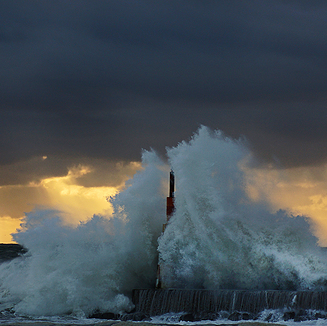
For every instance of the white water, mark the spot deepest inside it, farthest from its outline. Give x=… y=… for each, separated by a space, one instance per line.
x=217 y=238
x=96 y=265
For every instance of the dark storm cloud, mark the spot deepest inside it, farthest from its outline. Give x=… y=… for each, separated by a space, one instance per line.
x=104 y=79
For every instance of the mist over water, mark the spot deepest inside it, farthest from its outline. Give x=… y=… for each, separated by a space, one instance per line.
x=216 y=239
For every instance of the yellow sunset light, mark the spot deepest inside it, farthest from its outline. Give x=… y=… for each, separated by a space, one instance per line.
x=300 y=191
x=8 y=226
x=77 y=203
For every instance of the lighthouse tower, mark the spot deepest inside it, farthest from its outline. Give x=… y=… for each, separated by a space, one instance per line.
x=170 y=200
x=169 y=212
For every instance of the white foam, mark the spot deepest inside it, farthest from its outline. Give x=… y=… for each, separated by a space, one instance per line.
x=218 y=238
x=93 y=266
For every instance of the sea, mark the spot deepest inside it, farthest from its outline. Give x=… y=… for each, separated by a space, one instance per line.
x=217 y=239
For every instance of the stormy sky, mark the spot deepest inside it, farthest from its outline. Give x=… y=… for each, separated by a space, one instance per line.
x=104 y=79
x=95 y=82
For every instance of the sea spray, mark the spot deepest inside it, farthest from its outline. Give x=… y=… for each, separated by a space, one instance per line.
x=94 y=266
x=217 y=239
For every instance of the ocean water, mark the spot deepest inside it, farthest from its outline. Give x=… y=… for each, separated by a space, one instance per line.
x=217 y=239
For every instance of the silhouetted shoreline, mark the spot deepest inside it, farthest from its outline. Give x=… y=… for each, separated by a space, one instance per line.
x=10 y=251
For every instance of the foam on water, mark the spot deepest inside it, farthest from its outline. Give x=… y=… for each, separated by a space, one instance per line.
x=216 y=239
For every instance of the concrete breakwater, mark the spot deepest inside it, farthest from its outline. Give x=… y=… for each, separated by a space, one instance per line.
x=203 y=303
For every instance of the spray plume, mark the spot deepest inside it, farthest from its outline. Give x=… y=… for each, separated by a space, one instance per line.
x=216 y=238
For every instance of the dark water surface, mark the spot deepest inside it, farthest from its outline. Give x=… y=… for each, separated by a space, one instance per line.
x=109 y=323
x=10 y=251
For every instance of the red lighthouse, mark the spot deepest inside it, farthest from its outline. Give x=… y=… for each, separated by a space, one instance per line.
x=169 y=212
x=170 y=200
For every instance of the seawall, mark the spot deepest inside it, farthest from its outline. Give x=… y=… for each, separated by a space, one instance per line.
x=157 y=302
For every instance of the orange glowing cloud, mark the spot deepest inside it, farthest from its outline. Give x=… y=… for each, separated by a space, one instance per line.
x=300 y=191
x=8 y=226
x=76 y=202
